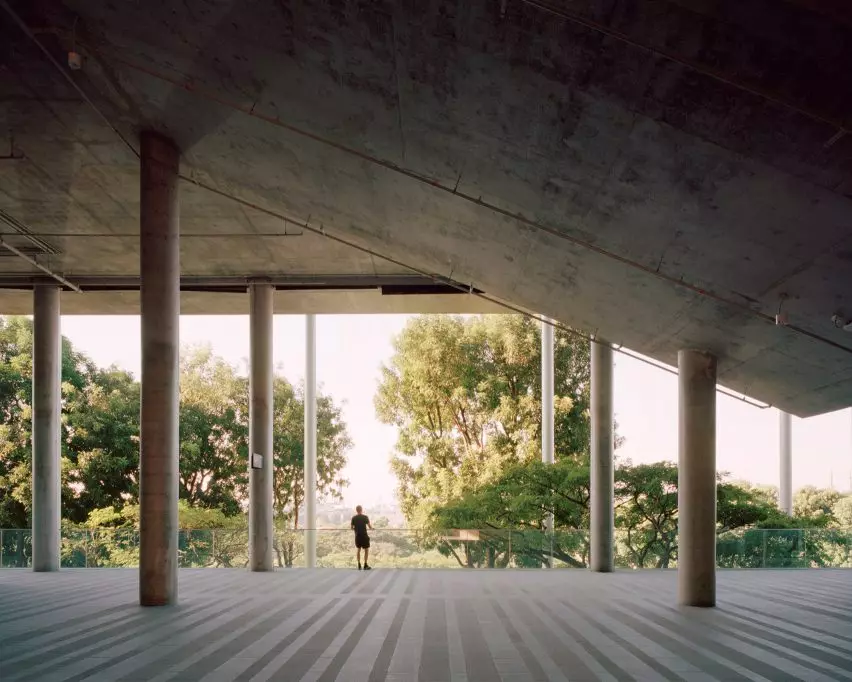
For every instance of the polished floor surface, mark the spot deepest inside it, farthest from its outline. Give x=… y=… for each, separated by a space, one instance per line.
x=425 y=626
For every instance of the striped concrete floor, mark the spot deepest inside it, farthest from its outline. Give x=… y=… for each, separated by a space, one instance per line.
x=425 y=626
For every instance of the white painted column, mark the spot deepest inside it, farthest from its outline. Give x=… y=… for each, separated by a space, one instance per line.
x=159 y=416
x=785 y=489
x=547 y=390
x=260 y=429
x=696 y=555
x=601 y=470
x=46 y=428
x=310 y=441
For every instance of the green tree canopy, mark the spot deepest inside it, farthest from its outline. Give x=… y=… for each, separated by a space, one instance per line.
x=100 y=436
x=465 y=395
x=816 y=504
x=646 y=515
x=842 y=511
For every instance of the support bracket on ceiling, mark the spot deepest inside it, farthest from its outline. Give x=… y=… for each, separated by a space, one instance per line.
x=32 y=261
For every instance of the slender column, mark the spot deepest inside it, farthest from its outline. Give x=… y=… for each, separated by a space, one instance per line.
x=47 y=400
x=696 y=557
x=310 y=441
x=160 y=299
x=785 y=490
x=546 y=392
x=260 y=430
x=547 y=412
x=601 y=464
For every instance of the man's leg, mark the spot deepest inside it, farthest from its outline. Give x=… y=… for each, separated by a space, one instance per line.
x=366 y=556
x=358 y=551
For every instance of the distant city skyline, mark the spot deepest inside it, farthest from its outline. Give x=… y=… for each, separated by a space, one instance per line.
x=351 y=349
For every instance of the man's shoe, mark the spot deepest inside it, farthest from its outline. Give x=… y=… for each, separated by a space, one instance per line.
x=359 y=565
x=368 y=568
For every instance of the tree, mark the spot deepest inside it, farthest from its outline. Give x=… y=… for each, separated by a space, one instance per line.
x=518 y=501
x=102 y=423
x=646 y=513
x=465 y=395
x=16 y=352
x=333 y=442
x=100 y=437
x=842 y=511
x=506 y=511
x=816 y=504
x=213 y=432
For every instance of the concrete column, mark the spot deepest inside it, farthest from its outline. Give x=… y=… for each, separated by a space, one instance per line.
x=160 y=299
x=696 y=556
x=310 y=441
x=260 y=430
x=785 y=489
x=46 y=428
x=547 y=437
x=546 y=392
x=601 y=470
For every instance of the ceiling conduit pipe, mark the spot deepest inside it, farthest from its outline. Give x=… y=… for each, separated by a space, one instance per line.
x=32 y=261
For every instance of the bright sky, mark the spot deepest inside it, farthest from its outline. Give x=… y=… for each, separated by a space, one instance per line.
x=351 y=348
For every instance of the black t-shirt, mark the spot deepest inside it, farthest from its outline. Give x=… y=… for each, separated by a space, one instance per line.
x=359 y=523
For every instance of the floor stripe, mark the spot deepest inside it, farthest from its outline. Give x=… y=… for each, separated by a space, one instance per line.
x=398 y=625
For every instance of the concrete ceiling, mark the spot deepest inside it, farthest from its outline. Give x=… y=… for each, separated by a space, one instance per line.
x=664 y=174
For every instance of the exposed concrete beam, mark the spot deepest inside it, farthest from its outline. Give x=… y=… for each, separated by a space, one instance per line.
x=389 y=284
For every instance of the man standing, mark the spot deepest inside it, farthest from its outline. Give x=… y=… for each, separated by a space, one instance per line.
x=360 y=524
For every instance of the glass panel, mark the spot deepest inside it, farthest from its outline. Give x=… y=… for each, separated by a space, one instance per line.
x=492 y=548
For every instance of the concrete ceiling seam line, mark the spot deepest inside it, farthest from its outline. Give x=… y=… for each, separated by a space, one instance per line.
x=190 y=87
x=36 y=264
x=478 y=201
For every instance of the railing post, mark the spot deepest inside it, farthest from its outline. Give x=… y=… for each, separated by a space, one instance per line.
x=763 y=534
x=86 y=549
x=1 y=550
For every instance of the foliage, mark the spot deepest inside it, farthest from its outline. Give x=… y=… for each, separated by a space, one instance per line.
x=816 y=504
x=646 y=516
x=465 y=395
x=100 y=439
x=842 y=511
x=213 y=432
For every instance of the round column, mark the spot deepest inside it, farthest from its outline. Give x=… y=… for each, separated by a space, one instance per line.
x=310 y=441
x=785 y=489
x=160 y=321
x=696 y=556
x=46 y=428
x=601 y=470
x=260 y=429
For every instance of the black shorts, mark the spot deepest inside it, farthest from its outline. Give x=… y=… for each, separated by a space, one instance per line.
x=362 y=541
